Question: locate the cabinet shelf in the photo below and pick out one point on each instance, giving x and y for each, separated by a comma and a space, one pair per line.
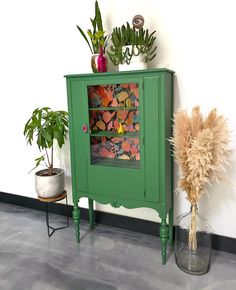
134, 164
114, 134
112, 108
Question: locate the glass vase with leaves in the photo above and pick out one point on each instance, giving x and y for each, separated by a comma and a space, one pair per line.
95, 37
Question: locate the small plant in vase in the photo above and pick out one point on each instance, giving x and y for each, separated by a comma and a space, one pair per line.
201, 150
97, 41
47, 127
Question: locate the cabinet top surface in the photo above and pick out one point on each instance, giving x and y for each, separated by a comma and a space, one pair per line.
133, 72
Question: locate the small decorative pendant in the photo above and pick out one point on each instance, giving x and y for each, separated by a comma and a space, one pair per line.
120, 129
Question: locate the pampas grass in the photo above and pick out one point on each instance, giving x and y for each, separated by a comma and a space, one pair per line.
201, 151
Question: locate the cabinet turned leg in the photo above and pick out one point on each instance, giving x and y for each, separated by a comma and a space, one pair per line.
171, 227
76, 218
164, 234
91, 213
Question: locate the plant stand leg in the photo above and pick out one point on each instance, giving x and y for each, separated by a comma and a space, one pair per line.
76, 218
47, 222
50, 228
91, 213
164, 234
171, 228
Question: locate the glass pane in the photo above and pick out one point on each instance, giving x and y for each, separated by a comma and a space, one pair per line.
121, 95
110, 120
114, 125
115, 151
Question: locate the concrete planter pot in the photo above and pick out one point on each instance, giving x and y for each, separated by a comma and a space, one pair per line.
49, 186
136, 63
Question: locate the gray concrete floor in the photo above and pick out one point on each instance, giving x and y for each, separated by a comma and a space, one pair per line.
106, 259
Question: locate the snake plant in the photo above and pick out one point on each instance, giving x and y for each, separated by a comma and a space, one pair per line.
96, 36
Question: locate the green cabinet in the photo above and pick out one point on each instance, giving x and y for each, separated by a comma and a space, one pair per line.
120, 124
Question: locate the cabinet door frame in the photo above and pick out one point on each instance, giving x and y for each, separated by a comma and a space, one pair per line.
114, 81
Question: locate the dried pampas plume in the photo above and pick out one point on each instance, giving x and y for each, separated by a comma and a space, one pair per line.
201, 150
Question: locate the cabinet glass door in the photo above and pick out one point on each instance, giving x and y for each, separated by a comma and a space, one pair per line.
114, 125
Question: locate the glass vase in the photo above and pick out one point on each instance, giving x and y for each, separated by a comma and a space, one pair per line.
193, 242
94, 62
99, 62
102, 61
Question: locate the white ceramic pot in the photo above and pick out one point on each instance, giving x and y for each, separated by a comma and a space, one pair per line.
49, 186
136, 62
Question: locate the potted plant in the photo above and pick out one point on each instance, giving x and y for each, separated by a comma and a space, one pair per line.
132, 48
47, 127
96, 40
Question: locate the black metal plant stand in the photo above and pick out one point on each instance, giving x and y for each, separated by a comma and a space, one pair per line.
50, 228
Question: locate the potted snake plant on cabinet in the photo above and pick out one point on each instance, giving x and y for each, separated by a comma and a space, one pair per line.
132, 47
47, 127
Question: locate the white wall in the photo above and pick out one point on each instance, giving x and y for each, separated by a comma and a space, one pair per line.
40, 43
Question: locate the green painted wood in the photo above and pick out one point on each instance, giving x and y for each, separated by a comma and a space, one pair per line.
157, 133
153, 138
169, 89
118, 182
76, 218
123, 181
127, 202
164, 229
167, 85
91, 213
106, 75
128, 183
130, 164
78, 140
